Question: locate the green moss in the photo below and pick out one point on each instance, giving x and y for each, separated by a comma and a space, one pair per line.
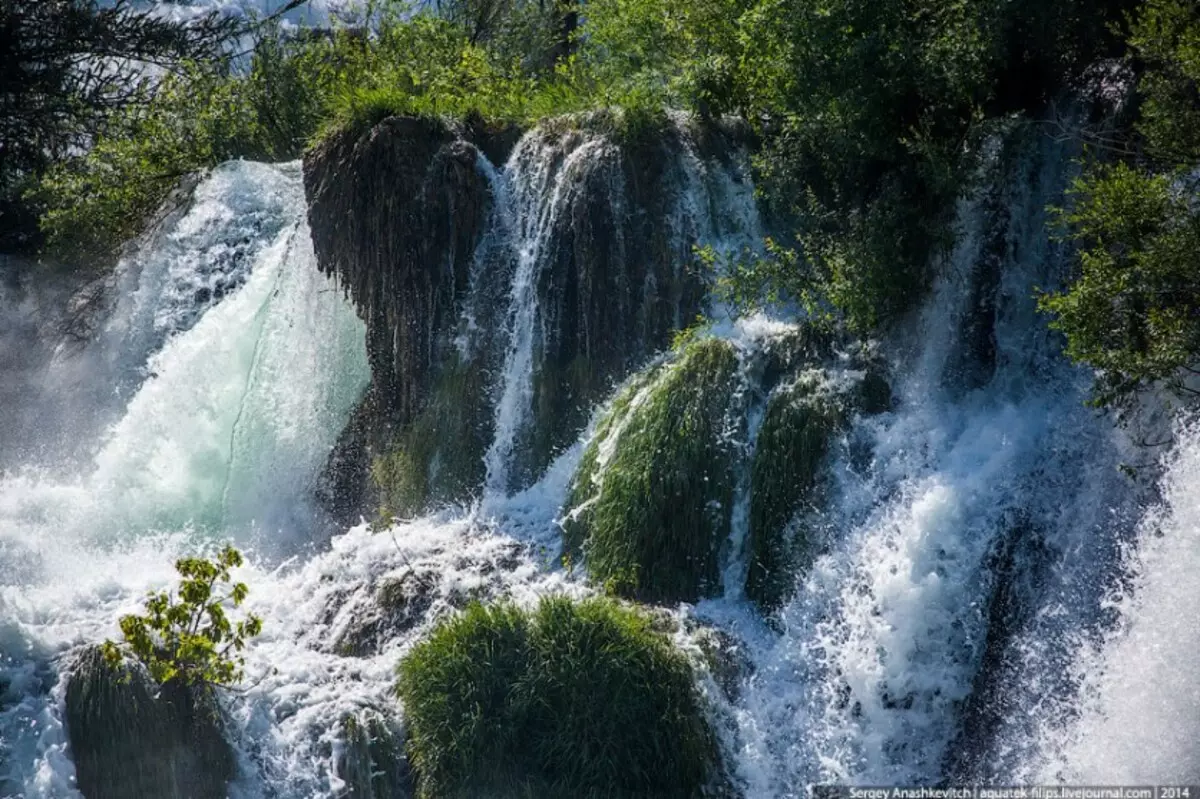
581, 699
438, 458
792, 443
651, 519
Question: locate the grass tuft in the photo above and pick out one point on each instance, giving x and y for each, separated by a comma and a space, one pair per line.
576, 698
651, 517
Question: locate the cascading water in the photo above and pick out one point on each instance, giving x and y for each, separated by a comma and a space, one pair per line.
883, 644
223, 439
540, 182
992, 601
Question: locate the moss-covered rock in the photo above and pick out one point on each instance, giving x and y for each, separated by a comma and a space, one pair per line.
784, 481
404, 215
650, 504
131, 738
371, 761
396, 214
581, 699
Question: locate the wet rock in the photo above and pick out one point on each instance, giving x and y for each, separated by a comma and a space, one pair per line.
371, 761
726, 659
404, 215
130, 738
397, 605
395, 215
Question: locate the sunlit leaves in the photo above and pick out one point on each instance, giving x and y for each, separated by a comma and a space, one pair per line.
188, 635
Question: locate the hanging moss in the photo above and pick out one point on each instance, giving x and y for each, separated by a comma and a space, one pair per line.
784, 481
371, 761
438, 458
652, 518
580, 699
562, 398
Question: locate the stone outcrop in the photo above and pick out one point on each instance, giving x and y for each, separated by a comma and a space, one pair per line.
131, 738
395, 216
427, 226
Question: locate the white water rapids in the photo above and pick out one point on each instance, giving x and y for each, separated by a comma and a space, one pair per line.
1008, 487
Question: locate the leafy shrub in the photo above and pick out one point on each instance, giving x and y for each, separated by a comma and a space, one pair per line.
872, 113
1131, 311
577, 698
651, 515
188, 637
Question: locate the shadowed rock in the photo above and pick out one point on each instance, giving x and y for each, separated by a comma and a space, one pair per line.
129, 741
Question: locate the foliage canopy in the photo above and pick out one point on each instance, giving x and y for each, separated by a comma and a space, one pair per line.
1132, 312
69, 67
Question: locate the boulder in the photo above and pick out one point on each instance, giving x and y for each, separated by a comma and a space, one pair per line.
131, 738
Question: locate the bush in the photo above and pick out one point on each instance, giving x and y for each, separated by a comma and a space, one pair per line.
650, 515
871, 114
578, 698
189, 638
199, 117
1131, 312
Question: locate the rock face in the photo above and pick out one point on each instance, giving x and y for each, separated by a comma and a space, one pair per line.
395, 215
128, 742
504, 298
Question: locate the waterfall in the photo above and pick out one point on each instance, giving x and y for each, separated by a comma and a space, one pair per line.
1137, 715
540, 174
223, 439
994, 599
883, 643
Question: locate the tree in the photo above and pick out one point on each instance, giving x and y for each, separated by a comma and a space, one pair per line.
188, 637
65, 67
1133, 311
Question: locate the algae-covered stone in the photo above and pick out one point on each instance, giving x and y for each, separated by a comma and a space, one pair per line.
650, 504
784, 482
577, 698
371, 761
131, 738
725, 658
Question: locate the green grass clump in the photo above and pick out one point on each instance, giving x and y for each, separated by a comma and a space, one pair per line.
438, 458
651, 519
577, 698
792, 443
